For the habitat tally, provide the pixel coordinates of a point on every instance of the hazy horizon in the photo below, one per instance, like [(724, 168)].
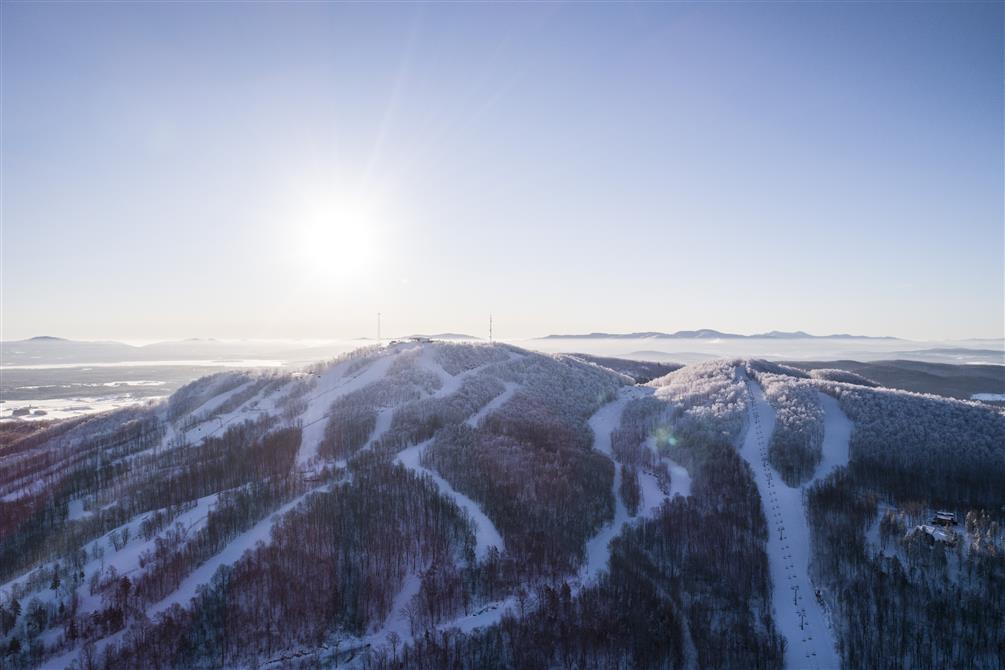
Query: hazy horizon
[(385, 336), (288, 170)]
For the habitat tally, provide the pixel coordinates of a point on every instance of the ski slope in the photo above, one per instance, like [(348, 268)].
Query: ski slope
[(799, 615), (217, 425), (332, 385), (837, 437), (604, 422), (493, 405), (260, 532), (397, 621), (486, 534), (680, 478), (598, 551), (486, 615), (380, 428)]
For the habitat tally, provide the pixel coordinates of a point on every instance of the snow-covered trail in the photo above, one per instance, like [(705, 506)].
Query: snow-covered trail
[(125, 560), (334, 385), (604, 422), (217, 425), (799, 616), (680, 478), (837, 437), (216, 401), (331, 386), (397, 621), (487, 615), (260, 532), (493, 405), (486, 534), (598, 551), (451, 384), (380, 428)]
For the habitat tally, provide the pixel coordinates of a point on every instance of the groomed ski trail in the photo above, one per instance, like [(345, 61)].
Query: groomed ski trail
[(799, 615), (486, 534)]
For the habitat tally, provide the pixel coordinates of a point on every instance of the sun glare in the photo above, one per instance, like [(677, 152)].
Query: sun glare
[(336, 239)]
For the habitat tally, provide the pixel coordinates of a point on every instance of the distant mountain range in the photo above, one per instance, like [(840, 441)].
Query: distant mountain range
[(708, 334), (46, 349), (50, 350)]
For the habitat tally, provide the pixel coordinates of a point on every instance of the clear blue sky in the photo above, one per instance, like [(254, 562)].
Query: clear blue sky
[(257, 170)]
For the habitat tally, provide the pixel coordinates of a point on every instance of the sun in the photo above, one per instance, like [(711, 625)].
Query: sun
[(336, 239)]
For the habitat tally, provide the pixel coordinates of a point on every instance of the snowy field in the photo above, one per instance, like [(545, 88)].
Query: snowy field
[(68, 408)]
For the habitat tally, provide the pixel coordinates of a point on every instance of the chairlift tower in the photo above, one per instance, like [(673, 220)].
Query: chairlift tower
[(490, 328), (378, 328)]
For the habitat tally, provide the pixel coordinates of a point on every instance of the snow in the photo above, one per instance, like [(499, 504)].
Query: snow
[(260, 532), (652, 494), (799, 616), (23, 490), (126, 561), (62, 662), (598, 550), (77, 511), (680, 478), (396, 621), (424, 358), (483, 617), (383, 425), (493, 405), (331, 386), (251, 408), (211, 405), (448, 383), (69, 408), (452, 383), (604, 421), (486, 534), (263, 402), (837, 438), (990, 397)]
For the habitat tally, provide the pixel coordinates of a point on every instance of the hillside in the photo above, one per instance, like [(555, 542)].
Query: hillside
[(474, 505), (954, 381)]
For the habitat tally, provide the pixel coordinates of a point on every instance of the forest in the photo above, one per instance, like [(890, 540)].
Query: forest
[(204, 531)]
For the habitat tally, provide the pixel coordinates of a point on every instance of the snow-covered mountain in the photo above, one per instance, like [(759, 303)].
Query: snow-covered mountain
[(475, 505)]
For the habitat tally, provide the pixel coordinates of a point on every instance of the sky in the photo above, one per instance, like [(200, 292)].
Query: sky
[(257, 170)]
